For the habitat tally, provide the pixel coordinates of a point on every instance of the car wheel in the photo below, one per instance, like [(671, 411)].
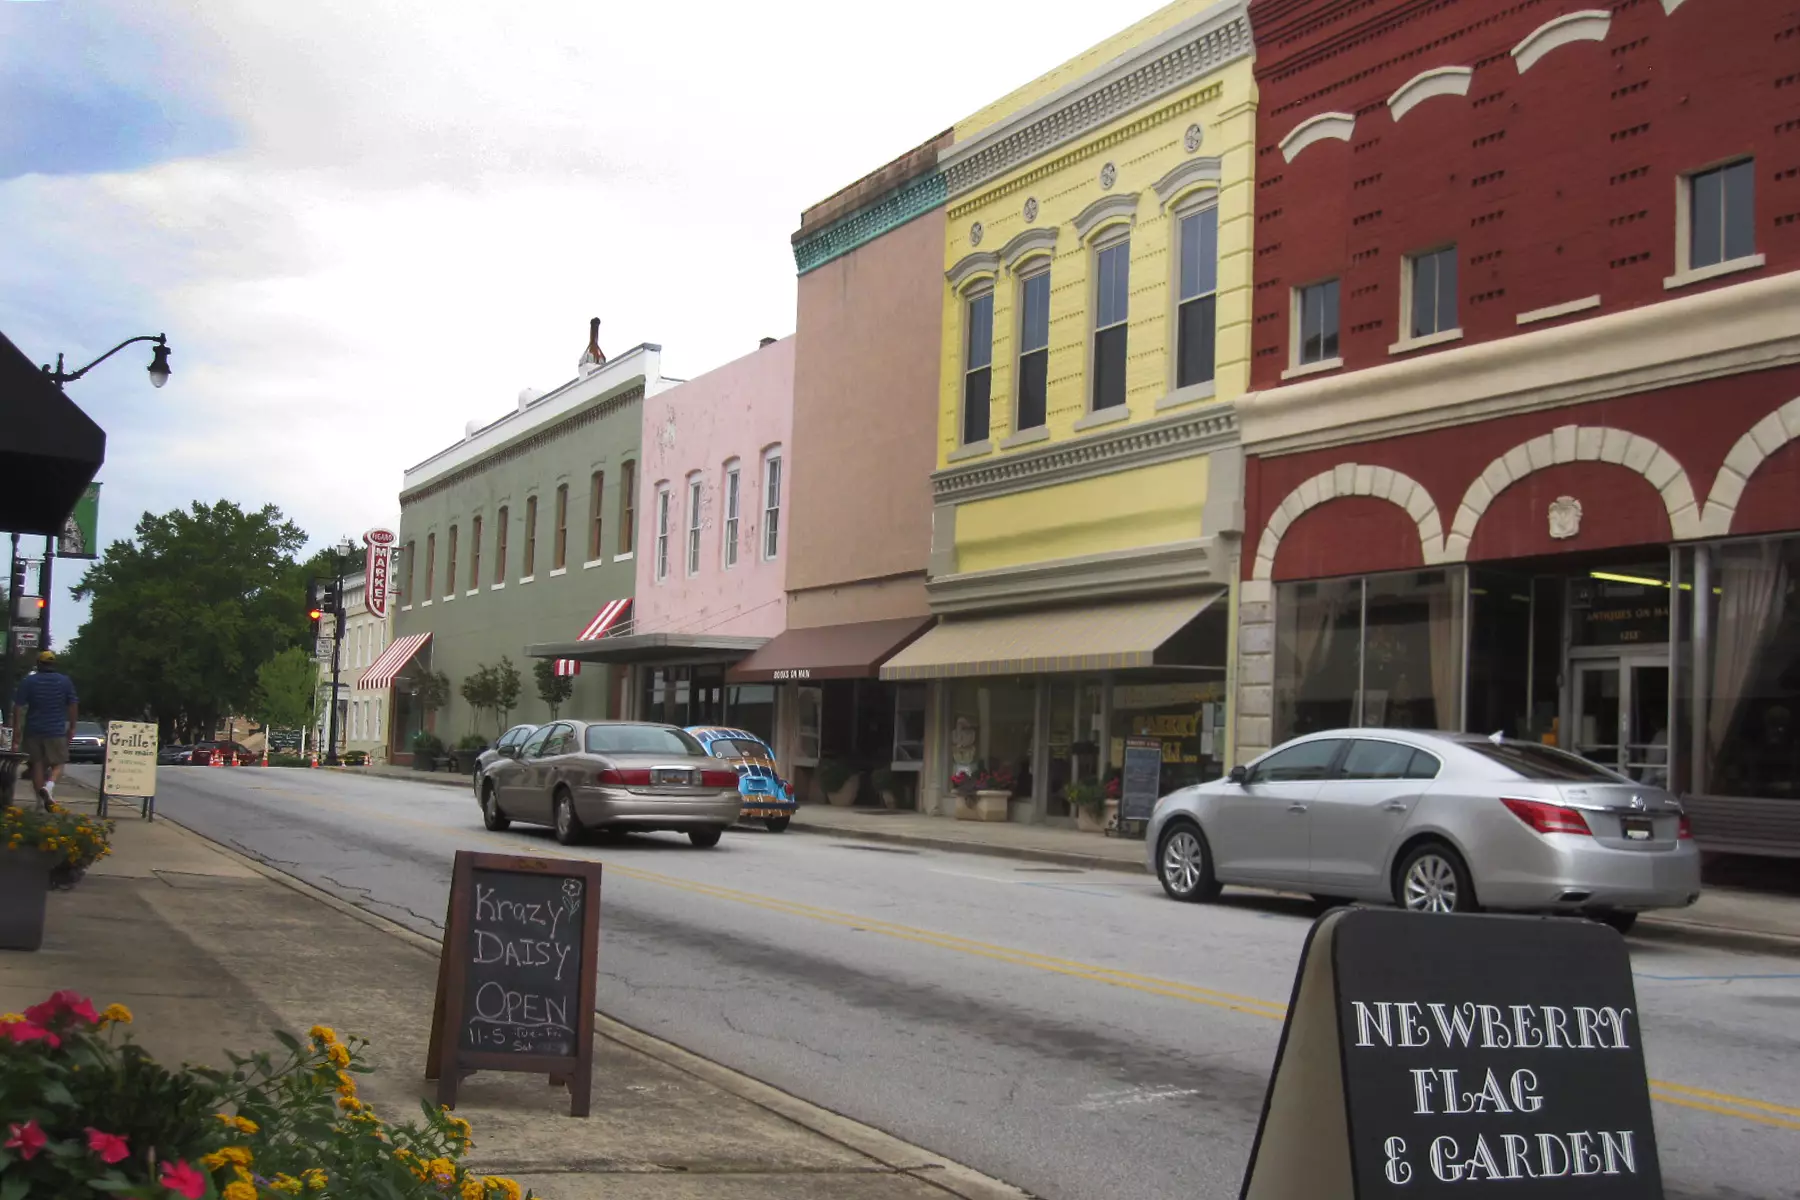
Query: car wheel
[(705, 838), (1433, 879), (1621, 921), (491, 816), (1184, 864), (568, 825), (776, 824)]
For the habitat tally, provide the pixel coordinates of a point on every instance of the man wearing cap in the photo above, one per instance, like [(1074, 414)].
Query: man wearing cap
[(44, 709)]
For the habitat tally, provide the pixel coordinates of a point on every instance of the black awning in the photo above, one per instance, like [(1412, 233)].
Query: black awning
[(49, 449)]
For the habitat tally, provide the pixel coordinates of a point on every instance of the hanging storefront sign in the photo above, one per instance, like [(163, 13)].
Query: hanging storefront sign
[(380, 556), (80, 534)]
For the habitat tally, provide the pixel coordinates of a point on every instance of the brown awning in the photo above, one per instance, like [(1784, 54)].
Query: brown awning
[(829, 651)]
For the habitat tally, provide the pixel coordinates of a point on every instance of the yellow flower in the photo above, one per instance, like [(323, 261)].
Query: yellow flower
[(315, 1179), (244, 1125), (324, 1034), (338, 1054), (508, 1189), (213, 1161), (473, 1189), (346, 1086), (349, 1103), (11, 1018), (239, 1190), (286, 1183)]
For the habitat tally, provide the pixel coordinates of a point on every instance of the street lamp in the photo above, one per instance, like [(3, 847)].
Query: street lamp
[(159, 361), (341, 557)]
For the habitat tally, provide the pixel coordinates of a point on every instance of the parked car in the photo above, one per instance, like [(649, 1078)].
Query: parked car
[(205, 754), (504, 747), (89, 743), (1436, 822), (172, 755), (611, 777), (767, 796)]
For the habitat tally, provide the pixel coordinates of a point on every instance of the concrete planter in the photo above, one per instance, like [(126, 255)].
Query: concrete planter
[(1090, 820), (845, 796), (983, 806), (24, 886)]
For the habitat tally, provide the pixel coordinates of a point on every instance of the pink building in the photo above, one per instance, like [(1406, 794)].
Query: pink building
[(712, 541)]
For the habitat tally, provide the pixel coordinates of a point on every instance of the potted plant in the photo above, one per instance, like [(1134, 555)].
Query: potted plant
[(1089, 802), (468, 749), (983, 794), (840, 781), (891, 786), (40, 850), (427, 748)]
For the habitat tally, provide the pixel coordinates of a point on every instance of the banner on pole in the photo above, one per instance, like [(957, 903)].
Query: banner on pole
[(80, 535)]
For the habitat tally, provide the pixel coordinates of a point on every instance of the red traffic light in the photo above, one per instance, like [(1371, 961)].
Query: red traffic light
[(316, 613)]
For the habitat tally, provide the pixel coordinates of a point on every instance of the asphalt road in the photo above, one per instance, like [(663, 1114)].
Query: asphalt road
[(1071, 1032)]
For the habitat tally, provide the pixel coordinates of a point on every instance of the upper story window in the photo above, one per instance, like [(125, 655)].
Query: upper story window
[(1432, 286), (474, 553), (450, 565), (978, 362), (627, 506), (406, 592), (529, 565), (1034, 349), (596, 497), (559, 548), (500, 523), (772, 504), (1196, 320), (732, 502), (693, 525), (1316, 310), (430, 564), (1112, 303), (1721, 215), (662, 533)]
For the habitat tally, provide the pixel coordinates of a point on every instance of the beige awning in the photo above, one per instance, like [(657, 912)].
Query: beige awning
[(1098, 637)]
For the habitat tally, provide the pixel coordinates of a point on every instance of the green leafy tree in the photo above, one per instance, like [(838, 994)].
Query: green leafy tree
[(507, 686), (433, 691), (184, 614), (479, 691), (284, 689), (552, 689)]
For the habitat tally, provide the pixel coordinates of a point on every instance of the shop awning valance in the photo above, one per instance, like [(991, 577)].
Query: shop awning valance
[(604, 622), (853, 651), (49, 449), (1100, 637), (668, 649), (379, 676)]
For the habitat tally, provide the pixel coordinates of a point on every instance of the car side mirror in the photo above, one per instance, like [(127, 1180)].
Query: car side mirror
[(1240, 775)]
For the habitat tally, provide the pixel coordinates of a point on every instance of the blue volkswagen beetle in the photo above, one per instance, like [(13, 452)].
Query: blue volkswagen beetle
[(767, 796)]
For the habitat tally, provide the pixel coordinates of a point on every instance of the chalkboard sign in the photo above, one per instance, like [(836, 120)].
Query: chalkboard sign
[(516, 975), (1142, 785), (1424, 1053)]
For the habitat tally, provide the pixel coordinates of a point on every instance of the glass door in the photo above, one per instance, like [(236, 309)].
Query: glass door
[(1621, 715), (1599, 711)]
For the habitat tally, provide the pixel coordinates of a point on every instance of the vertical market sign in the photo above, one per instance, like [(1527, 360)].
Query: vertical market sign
[(80, 533), (376, 569)]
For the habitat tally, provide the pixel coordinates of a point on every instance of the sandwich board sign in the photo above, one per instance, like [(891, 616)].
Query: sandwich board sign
[(515, 988), (130, 770), (1424, 1053)]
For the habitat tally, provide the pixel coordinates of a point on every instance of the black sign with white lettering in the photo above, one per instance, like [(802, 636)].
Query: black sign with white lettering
[(516, 976), (1429, 1055)]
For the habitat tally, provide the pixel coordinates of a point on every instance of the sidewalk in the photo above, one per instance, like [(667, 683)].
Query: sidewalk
[(210, 951)]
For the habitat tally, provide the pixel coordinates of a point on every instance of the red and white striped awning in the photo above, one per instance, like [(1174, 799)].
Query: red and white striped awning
[(380, 674), (604, 621)]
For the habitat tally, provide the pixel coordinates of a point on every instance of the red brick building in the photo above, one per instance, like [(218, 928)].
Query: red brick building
[(1523, 452)]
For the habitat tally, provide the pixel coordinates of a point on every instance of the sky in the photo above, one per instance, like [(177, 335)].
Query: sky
[(364, 223)]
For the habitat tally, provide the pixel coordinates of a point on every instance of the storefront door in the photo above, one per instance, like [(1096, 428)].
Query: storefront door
[(1621, 714)]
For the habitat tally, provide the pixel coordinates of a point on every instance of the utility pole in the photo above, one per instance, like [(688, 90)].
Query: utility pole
[(337, 648), (44, 588), (12, 616)]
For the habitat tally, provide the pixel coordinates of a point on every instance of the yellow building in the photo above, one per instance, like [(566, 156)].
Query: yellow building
[(1087, 507)]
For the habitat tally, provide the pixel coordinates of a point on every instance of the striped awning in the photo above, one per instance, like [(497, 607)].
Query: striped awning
[(380, 674), (605, 620), (1100, 637)]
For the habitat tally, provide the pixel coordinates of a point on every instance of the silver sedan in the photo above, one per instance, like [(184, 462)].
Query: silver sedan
[(611, 777), (1438, 822)]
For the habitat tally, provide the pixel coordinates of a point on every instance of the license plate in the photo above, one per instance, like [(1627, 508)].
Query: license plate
[(1638, 829), (671, 776)]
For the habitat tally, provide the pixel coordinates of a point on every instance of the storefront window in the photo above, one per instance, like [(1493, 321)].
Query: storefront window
[(1184, 710), (993, 727), (808, 713), (751, 707), (909, 726), (1751, 732), (1076, 734), (1318, 637)]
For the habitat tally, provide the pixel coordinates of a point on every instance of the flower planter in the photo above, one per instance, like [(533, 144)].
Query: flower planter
[(24, 885), (846, 794), (423, 762), (983, 806), (1090, 820)]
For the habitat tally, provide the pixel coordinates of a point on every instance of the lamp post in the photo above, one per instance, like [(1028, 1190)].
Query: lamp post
[(159, 375), (340, 557)]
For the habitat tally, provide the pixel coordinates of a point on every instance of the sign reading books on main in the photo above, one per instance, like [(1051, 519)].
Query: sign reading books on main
[(515, 987), (1428, 1055), (377, 569)]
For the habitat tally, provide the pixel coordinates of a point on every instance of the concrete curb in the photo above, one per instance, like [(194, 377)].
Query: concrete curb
[(896, 1155), (435, 778)]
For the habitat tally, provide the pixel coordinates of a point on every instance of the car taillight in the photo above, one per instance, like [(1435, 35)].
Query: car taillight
[(1684, 829), (719, 779), (618, 778), (1548, 818)]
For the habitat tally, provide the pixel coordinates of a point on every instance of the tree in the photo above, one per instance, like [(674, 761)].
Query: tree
[(434, 691), (284, 689), (479, 691), (507, 686), (185, 613), (552, 689)]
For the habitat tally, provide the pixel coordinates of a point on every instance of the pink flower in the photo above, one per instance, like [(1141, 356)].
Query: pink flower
[(110, 1147), (29, 1031), (183, 1180), (63, 1003), (27, 1139)]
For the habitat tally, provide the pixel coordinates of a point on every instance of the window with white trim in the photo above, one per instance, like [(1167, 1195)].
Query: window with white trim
[(1722, 214), (1112, 308), (693, 525), (1034, 349), (978, 364), (1196, 314), (772, 504), (731, 514), (1316, 307), (1432, 292), (662, 532)]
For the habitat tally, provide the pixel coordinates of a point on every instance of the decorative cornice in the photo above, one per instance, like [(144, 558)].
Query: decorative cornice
[(535, 442), (1031, 242), (1105, 211), (910, 200), (1172, 60), (969, 266), (1136, 445), (1439, 81), (1337, 125), (1188, 173), (1139, 572), (1590, 25)]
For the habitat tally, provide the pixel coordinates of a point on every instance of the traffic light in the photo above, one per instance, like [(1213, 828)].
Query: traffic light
[(330, 600), (27, 610), (314, 610)]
